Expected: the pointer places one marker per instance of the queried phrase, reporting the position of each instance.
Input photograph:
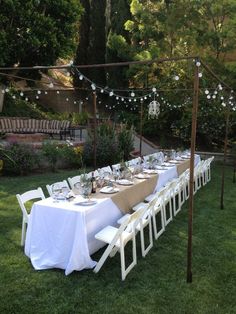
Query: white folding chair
(22, 199)
(117, 238)
(104, 170)
(155, 206)
(116, 167)
(63, 183)
(73, 180)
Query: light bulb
(176, 77)
(21, 94)
(198, 64)
(206, 91)
(81, 77)
(200, 74)
(154, 89)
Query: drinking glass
(56, 190)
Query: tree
(36, 32)
(92, 42)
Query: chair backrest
(63, 183)
(135, 161)
(29, 196)
(116, 167)
(73, 180)
(104, 170)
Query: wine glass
(65, 190)
(56, 190)
(86, 189)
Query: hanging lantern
(153, 109)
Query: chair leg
(124, 272)
(147, 249)
(102, 259)
(158, 233)
(167, 220)
(23, 231)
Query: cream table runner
(128, 196)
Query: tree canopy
(37, 32)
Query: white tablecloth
(61, 234)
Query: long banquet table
(61, 234)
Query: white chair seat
(139, 205)
(149, 198)
(107, 234)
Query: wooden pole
(94, 131)
(141, 128)
(224, 160)
(191, 180)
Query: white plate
(150, 171)
(168, 165)
(86, 203)
(124, 182)
(109, 190)
(174, 162)
(142, 176)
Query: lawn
(156, 285)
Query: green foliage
(51, 151)
(71, 156)
(126, 141)
(79, 118)
(19, 159)
(20, 108)
(37, 32)
(107, 151)
(113, 145)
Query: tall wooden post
(94, 131)
(224, 161)
(191, 180)
(141, 128)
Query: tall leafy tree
(92, 40)
(36, 32)
(118, 12)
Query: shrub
(19, 159)
(107, 147)
(71, 156)
(52, 153)
(125, 141)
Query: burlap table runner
(183, 166)
(128, 196)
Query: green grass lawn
(156, 285)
